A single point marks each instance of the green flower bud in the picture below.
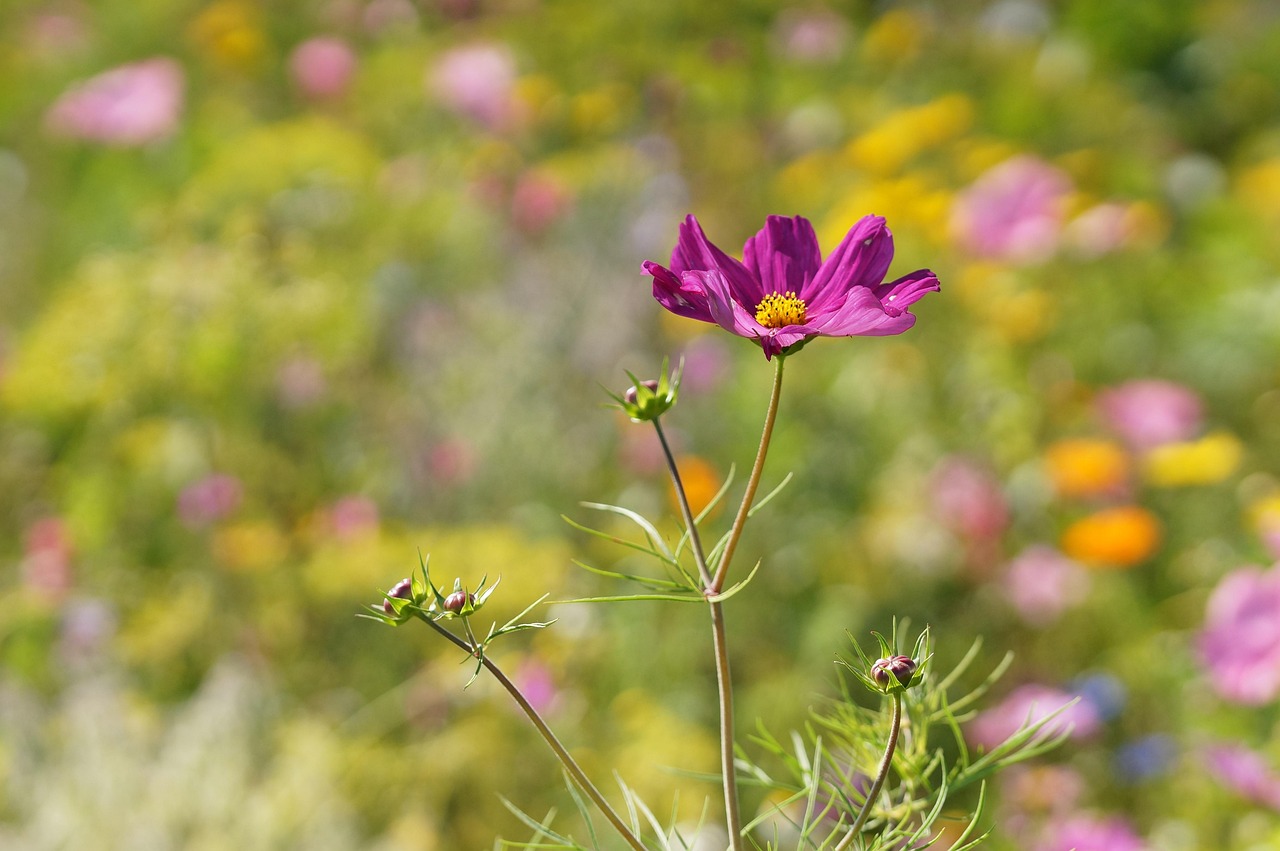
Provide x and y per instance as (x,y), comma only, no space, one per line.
(645,401)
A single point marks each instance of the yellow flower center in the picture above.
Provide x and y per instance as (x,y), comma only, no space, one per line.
(778,311)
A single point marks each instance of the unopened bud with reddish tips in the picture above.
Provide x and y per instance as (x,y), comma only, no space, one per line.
(633,393)
(645,401)
(457,601)
(893,671)
(402,590)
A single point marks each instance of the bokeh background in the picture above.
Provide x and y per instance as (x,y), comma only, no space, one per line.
(292,292)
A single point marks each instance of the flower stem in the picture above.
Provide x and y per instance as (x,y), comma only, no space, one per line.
(895,724)
(717,583)
(566,759)
(686,512)
(724,682)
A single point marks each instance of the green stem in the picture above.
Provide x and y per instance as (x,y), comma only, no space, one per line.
(570,764)
(895,724)
(739,522)
(724,681)
(695,541)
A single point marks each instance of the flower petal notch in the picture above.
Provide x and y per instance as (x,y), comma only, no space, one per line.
(782,293)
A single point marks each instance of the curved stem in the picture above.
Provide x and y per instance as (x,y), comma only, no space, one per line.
(895,724)
(570,764)
(686,513)
(717,583)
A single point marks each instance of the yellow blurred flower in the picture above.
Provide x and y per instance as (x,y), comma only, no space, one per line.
(894,37)
(895,141)
(915,202)
(1002,301)
(1206,461)
(230,32)
(1085,467)
(250,546)
(1259,188)
(1114,538)
(701,483)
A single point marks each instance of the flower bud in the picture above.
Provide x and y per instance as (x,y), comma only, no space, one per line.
(645,401)
(402,590)
(893,671)
(633,393)
(457,601)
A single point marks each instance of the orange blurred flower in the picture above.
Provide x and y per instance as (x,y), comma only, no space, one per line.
(1117,537)
(1087,467)
(701,483)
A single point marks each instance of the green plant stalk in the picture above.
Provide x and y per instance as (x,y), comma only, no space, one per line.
(566,759)
(895,724)
(724,681)
(753,482)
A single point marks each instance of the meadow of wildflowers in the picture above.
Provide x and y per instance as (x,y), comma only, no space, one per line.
(294,294)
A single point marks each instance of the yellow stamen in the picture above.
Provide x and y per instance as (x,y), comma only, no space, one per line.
(777,311)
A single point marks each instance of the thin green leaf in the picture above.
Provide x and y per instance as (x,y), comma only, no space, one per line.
(655,540)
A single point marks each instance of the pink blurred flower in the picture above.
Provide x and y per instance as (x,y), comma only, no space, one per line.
(538,201)
(322,67)
(1090,833)
(1151,412)
(1240,643)
(1013,212)
(209,500)
(479,82)
(706,364)
(1244,772)
(1028,704)
(1100,229)
(353,516)
(451,461)
(1042,583)
(967,497)
(129,105)
(810,36)
(300,382)
(537,684)
(46,562)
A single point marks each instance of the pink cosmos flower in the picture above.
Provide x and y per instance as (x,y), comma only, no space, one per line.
(782,294)
(1042,583)
(130,105)
(1028,704)
(1149,412)
(1244,772)
(478,81)
(46,563)
(322,67)
(967,497)
(1089,833)
(1014,211)
(1240,644)
(209,499)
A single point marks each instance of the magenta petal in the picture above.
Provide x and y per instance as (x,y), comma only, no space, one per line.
(695,253)
(861,260)
(677,296)
(906,291)
(784,255)
(725,310)
(863,315)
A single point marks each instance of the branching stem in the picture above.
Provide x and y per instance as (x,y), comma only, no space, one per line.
(566,759)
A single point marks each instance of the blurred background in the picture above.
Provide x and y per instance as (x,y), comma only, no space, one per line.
(292,292)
